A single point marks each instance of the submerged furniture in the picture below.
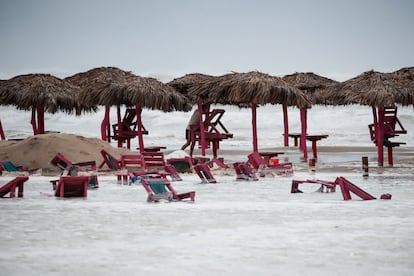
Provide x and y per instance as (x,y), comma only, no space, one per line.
(154,162)
(325,185)
(263,168)
(347,187)
(160,188)
(189,164)
(110,161)
(73,169)
(244,171)
(9,166)
(10,187)
(72,186)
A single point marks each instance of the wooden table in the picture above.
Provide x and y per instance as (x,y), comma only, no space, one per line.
(310,137)
(314,139)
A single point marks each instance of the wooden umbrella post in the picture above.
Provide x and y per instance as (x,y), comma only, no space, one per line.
(3,137)
(33,121)
(202,136)
(139,123)
(380,136)
(254,127)
(41,119)
(302,144)
(118,115)
(105,129)
(285,125)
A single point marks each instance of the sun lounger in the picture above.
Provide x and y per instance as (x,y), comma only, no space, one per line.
(161,189)
(10,187)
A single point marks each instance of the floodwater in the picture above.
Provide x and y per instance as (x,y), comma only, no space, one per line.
(233,228)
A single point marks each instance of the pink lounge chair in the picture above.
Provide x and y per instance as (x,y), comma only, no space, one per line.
(347,187)
(161,188)
(72,169)
(244,171)
(10,187)
(189,164)
(110,161)
(72,186)
(155,162)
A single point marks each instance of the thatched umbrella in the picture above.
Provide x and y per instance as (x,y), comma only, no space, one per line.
(378,90)
(185,83)
(112,86)
(100,79)
(404,76)
(252,88)
(41,93)
(309,83)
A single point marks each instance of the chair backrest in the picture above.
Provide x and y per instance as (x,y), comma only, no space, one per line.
(256,160)
(134,161)
(158,187)
(8,166)
(72,186)
(60,161)
(111,161)
(153,159)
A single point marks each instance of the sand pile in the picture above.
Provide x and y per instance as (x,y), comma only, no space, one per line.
(36,152)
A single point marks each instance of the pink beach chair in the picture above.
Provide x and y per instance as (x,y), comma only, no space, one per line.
(10,187)
(72,186)
(161,189)
(263,168)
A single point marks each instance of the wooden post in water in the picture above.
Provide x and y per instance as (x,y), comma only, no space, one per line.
(365,166)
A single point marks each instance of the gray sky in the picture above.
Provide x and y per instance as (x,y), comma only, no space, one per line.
(337,39)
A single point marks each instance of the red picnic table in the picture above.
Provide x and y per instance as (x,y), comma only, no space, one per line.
(310,137)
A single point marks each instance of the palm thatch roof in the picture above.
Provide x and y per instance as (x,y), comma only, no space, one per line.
(369,88)
(41,90)
(309,83)
(246,88)
(113,86)
(405,76)
(185,83)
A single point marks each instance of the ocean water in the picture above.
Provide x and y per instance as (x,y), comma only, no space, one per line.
(345,125)
(232,228)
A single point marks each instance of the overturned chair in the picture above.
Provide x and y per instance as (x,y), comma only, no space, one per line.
(74,169)
(257,164)
(10,187)
(72,186)
(196,165)
(161,189)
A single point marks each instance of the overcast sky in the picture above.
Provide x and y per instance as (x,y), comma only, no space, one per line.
(337,39)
